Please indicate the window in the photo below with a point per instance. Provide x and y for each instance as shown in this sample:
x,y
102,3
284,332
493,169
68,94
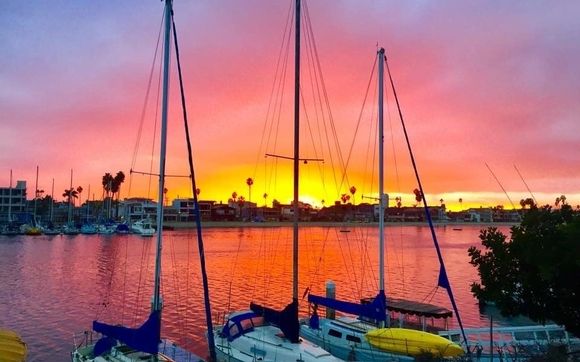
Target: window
x,y
334,333
352,338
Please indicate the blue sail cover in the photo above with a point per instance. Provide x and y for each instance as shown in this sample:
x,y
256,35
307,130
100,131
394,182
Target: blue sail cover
x,y
145,338
376,310
443,281
286,320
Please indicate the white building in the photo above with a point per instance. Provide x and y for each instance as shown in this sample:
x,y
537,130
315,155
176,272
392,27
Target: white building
x,y
12,200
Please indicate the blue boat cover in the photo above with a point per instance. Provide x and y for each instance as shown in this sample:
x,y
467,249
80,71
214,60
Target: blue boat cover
x,y
286,320
145,338
236,326
376,310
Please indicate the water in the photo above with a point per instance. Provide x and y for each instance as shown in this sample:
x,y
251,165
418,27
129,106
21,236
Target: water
x,y
55,286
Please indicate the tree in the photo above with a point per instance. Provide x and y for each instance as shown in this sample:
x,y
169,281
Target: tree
x,y
116,183
418,196
528,202
265,199
116,188
107,183
70,195
80,191
250,182
535,272
352,191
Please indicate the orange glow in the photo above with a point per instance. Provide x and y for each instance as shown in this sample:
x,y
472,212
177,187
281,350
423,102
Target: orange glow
x,y
472,92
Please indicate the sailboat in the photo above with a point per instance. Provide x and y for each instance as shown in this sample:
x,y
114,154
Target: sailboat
x,y
70,227
144,343
32,228
88,228
366,338
50,229
262,333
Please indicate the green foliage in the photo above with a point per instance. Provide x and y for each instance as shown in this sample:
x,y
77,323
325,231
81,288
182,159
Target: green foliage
x,y
537,272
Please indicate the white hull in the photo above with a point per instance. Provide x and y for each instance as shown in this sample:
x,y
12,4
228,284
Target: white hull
x,y
266,343
168,352
345,339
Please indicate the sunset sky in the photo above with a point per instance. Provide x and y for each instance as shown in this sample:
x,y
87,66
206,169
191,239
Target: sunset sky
x,y
479,82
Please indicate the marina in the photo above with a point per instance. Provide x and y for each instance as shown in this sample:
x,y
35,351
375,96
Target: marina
x,y
374,232
58,284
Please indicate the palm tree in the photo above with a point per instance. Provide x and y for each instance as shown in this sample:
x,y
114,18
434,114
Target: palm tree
x,y
107,183
461,203
70,195
265,197
418,196
116,188
80,191
234,196
352,191
250,182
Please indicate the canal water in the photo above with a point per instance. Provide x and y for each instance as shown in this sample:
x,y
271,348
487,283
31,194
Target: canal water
x,y
53,287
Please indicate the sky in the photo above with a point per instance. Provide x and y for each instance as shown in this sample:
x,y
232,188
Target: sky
x,y
480,83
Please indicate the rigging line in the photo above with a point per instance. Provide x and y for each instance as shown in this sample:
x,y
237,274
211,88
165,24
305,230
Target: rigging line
x,y
145,248
159,85
323,85
272,90
524,181
124,284
401,258
176,286
280,91
443,272
317,264
145,103
319,75
500,185
196,211
277,112
350,151
156,174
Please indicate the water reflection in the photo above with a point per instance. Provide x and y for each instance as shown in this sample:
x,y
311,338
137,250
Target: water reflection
x,y
56,286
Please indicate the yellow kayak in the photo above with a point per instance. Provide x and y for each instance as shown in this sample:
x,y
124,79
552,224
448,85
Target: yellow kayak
x,y
412,342
12,348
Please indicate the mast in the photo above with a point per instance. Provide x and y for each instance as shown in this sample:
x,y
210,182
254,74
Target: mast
x,y
51,200
167,37
35,198
380,57
69,198
10,200
296,209
88,199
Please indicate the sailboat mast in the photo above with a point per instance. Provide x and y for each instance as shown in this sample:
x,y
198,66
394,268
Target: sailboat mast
x,y
88,199
10,200
52,200
70,198
35,197
167,41
380,60
296,153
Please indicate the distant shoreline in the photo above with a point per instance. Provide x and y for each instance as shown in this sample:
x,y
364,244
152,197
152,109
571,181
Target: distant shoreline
x,y
277,224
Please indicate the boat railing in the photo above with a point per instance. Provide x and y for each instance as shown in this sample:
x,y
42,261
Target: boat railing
x,y
522,340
